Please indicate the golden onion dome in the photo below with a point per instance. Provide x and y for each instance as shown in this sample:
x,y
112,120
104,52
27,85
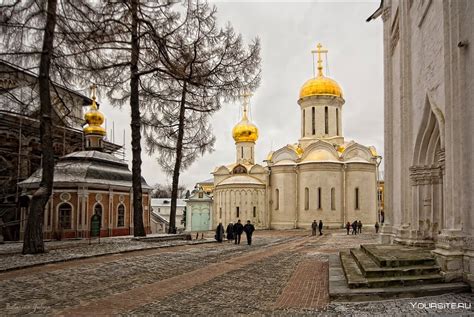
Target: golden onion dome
x,y
321,86
94,119
245,131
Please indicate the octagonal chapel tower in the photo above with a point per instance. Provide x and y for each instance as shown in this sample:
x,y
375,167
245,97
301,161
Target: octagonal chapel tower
x,y
321,103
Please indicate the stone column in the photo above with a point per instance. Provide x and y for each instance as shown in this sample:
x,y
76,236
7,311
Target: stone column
x,y
386,233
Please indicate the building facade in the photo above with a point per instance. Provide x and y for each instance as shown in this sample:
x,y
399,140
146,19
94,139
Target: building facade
x,y
20,151
86,183
429,111
321,177
161,209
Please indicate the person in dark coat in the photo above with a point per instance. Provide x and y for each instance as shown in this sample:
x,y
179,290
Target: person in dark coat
x,y
320,227
219,232
314,227
359,226
348,227
238,229
354,227
377,227
249,229
230,232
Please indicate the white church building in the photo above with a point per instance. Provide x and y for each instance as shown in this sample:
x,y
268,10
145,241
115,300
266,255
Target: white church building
x,y
320,177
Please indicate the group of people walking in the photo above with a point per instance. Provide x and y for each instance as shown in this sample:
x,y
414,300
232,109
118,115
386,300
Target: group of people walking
x,y
315,226
356,227
234,232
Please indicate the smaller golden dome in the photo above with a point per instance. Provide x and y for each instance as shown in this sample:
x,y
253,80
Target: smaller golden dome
x,y
320,85
94,119
245,131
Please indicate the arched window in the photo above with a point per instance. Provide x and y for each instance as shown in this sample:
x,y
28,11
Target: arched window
x,y
254,211
337,121
326,120
98,211
65,215
239,169
319,198
277,199
333,198
237,211
121,215
357,198
304,122
306,198
313,118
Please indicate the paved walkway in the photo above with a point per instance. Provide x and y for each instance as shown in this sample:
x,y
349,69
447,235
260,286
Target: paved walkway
x,y
283,273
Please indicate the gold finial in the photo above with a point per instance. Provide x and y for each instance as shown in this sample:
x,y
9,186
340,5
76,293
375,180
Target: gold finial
x,y
319,50
93,89
246,96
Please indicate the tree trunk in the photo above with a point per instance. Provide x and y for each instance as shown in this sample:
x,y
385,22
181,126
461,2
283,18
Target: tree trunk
x,y
138,228
33,239
177,164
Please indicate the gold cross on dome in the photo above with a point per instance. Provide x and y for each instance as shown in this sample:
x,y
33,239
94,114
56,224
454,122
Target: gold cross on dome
x,y
319,50
93,88
246,96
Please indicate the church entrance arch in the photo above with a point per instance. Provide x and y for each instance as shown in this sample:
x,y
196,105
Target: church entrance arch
x,y
426,176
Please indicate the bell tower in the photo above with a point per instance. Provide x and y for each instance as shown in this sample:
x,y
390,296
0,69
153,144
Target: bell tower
x,y
321,102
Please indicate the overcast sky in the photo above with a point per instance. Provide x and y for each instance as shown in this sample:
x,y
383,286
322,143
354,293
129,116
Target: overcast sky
x,y
288,32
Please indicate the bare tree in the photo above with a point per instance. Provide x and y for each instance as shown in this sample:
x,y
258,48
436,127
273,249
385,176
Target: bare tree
x,y
30,14
210,65
123,34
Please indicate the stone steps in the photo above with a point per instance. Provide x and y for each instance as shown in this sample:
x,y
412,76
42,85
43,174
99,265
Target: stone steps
x,y
398,256
357,279
369,267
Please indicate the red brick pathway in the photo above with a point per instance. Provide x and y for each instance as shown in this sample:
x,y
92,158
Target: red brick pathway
x,y
308,287
140,296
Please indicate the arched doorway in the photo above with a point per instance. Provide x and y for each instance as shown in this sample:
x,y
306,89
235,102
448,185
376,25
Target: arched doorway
x,y
426,176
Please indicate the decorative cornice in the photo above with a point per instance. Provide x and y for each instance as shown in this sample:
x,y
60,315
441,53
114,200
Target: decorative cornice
x,y
424,175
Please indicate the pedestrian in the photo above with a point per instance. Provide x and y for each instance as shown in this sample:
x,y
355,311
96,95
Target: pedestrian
x,y
238,229
359,226
382,217
249,229
314,226
354,227
348,227
320,227
219,232
376,227
230,232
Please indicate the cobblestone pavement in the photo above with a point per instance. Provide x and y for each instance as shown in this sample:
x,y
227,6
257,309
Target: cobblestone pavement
x,y
57,251
274,276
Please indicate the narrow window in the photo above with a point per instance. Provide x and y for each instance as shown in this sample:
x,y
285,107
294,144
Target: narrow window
x,y
254,211
242,152
319,198
337,120
304,123
121,216
238,211
313,118
333,198
277,199
357,198
220,212
306,198
326,123
65,211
